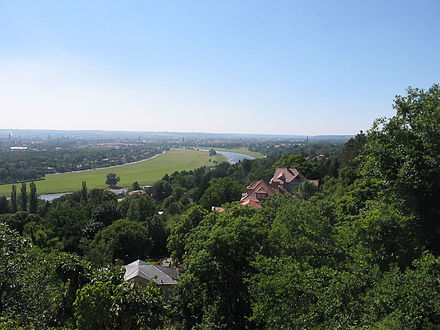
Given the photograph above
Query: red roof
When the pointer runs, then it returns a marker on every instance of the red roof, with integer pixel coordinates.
(259, 187)
(286, 175)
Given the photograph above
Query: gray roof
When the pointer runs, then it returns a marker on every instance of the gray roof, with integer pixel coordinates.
(160, 275)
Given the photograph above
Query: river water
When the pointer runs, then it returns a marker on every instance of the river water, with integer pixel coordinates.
(51, 197)
(232, 157)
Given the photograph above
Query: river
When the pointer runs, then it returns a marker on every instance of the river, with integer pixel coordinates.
(232, 157)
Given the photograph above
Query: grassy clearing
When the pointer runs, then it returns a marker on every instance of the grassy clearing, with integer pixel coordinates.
(218, 158)
(147, 172)
(242, 150)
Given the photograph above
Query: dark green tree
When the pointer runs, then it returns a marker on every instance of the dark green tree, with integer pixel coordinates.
(14, 207)
(181, 229)
(23, 197)
(107, 213)
(104, 305)
(135, 186)
(161, 190)
(33, 198)
(4, 205)
(213, 292)
(220, 191)
(309, 168)
(112, 180)
(133, 212)
(83, 191)
(402, 154)
(123, 240)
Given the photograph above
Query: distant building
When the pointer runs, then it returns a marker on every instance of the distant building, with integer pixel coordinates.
(283, 181)
(148, 189)
(286, 179)
(137, 192)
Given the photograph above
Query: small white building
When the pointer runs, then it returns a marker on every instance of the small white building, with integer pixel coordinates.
(141, 272)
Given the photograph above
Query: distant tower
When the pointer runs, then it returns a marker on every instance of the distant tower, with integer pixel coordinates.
(183, 139)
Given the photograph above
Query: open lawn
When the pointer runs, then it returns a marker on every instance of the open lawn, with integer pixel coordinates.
(242, 150)
(147, 172)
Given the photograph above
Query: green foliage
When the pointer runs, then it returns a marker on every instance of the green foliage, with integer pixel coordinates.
(380, 235)
(84, 191)
(135, 186)
(304, 231)
(409, 299)
(158, 233)
(124, 240)
(4, 205)
(212, 292)
(14, 207)
(64, 224)
(23, 197)
(348, 158)
(305, 190)
(221, 191)
(402, 152)
(33, 198)
(18, 220)
(161, 190)
(181, 229)
(141, 208)
(112, 180)
(103, 305)
(309, 168)
(106, 213)
(92, 306)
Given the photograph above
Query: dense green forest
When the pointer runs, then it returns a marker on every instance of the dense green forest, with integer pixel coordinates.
(362, 251)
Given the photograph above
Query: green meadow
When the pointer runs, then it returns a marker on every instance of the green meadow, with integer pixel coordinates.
(146, 172)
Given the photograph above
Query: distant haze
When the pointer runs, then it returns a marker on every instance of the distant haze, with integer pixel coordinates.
(264, 67)
(181, 136)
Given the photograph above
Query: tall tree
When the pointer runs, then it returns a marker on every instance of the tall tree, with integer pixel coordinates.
(33, 199)
(23, 197)
(14, 207)
(402, 153)
(83, 191)
(4, 207)
(136, 186)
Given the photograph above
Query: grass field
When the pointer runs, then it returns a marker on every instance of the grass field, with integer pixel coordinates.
(147, 172)
(243, 150)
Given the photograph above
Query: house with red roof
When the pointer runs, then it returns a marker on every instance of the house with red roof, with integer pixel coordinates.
(286, 179)
(283, 181)
(257, 192)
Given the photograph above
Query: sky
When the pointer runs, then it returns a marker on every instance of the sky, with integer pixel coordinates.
(266, 67)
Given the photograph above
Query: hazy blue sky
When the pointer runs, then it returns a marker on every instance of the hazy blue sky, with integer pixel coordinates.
(285, 67)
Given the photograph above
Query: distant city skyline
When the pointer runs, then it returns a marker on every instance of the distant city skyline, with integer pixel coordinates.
(251, 67)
